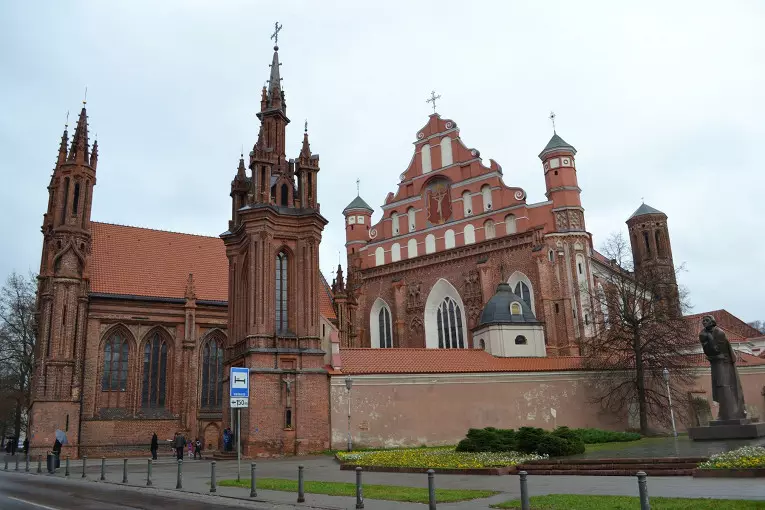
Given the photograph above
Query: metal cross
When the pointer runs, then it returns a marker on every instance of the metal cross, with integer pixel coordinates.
(306, 125)
(552, 118)
(275, 35)
(432, 99)
(67, 120)
(358, 181)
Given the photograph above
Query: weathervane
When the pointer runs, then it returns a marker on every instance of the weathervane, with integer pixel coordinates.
(358, 192)
(275, 35)
(306, 125)
(432, 99)
(552, 118)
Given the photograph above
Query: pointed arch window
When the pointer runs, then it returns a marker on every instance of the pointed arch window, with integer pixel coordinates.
(522, 291)
(386, 339)
(116, 352)
(282, 322)
(489, 229)
(285, 195)
(76, 199)
(449, 322)
(154, 372)
(212, 374)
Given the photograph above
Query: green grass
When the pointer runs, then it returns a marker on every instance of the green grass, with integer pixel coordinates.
(596, 447)
(386, 492)
(571, 502)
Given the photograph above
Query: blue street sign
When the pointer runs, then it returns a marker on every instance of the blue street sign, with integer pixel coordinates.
(240, 382)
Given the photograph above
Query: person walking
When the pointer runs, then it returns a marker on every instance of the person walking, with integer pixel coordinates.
(154, 446)
(226, 439)
(179, 443)
(191, 448)
(198, 449)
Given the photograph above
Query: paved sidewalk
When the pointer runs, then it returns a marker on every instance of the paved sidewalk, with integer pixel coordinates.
(196, 479)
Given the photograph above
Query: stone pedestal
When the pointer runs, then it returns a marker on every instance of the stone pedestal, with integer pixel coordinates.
(728, 429)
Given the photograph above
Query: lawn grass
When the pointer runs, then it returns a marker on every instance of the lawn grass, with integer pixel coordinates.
(596, 447)
(386, 492)
(575, 502)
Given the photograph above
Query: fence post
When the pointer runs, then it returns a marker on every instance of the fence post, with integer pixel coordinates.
(213, 488)
(17, 463)
(39, 464)
(525, 505)
(179, 483)
(84, 464)
(301, 495)
(643, 489)
(66, 469)
(148, 474)
(26, 469)
(431, 490)
(359, 493)
(253, 481)
(124, 471)
(103, 468)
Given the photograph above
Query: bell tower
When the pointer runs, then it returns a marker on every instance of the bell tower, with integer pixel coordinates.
(62, 292)
(274, 283)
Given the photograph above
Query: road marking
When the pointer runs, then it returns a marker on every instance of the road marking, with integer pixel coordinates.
(32, 503)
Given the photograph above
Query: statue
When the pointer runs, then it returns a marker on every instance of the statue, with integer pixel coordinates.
(726, 386)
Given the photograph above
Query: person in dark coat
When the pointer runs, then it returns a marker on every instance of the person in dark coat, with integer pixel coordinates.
(180, 443)
(26, 445)
(198, 448)
(154, 446)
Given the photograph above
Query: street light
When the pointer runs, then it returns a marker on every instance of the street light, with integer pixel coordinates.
(348, 384)
(669, 395)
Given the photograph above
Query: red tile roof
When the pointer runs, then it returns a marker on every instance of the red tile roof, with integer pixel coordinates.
(444, 361)
(143, 262)
(325, 300)
(727, 321)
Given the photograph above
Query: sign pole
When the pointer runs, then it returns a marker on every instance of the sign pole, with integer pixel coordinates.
(238, 444)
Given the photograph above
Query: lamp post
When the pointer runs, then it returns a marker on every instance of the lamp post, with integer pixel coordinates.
(348, 384)
(669, 396)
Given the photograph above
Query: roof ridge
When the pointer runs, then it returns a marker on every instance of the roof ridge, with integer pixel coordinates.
(154, 229)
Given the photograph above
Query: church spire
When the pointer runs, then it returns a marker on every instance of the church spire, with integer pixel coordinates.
(79, 150)
(240, 171)
(305, 151)
(62, 146)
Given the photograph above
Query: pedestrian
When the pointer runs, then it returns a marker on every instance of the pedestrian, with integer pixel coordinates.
(226, 439)
(179, 443)
(26, 445)
(198, 449)
(14, 445)
(191, 448)
(154, 446)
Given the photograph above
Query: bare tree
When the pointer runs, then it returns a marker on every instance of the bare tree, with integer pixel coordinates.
(17, 342)
(758, 325)
(639, 331)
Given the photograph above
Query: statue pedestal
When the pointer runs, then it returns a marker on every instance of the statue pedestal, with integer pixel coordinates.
(728, 429)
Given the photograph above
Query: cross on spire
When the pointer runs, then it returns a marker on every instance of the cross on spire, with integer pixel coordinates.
(306, 125)
(358, 192)
(552, 119)
(85, 99)
(275, 35)
(67, 120)
(432, 99)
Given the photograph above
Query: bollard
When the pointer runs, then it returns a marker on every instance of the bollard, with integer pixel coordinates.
(26, 469)
(84, 464)
(179, 483)
(103, 468)
(359, 493)
(213, 488)
(525, 505)
(431, 490)
(124, 471)
(643, 489)
(301, 495)
(148, 474)
(253, 482)
(66, 469)
(6, 462)
(17, 463)
(39, 464)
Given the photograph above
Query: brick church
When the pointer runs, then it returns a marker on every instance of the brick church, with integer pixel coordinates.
(463, 294)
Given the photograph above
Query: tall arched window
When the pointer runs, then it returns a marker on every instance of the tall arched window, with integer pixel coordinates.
(154, 372)
(449, 241)
(449, 321)
(212, 374)
(395, 252)
(510, 227)
(467, 203)
(489, 230)
(469, 234)
(386, 339)
(285, 195)
(425, 153)
(379, 256)
(446, 151)
(661, 250)
(76, 199)
(115, 363)
(411, 249)
(410, 213)
(430, 243)
(394, 223)
(486, 193)
(522, 291)
(521, 286)
(282, 321)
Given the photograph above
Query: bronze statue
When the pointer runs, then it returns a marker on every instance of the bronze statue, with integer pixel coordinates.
(726, 386)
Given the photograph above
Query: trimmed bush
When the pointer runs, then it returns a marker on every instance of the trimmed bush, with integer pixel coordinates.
(532, 440)
(488, 440)
(592, 436)
(529, 438)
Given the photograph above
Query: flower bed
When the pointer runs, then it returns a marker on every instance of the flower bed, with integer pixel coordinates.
(747, 461)
(435, 458)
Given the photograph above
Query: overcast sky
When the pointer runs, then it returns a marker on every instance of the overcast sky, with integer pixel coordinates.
(663, 100)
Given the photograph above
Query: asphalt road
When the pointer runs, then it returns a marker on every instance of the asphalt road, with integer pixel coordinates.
(25, 492)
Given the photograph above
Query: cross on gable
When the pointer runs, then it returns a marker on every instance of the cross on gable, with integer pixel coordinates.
(432, 99)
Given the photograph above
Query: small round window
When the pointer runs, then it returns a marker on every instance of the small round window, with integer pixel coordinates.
(520, 340)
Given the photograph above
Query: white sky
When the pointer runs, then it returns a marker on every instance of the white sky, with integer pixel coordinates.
(663, 100)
